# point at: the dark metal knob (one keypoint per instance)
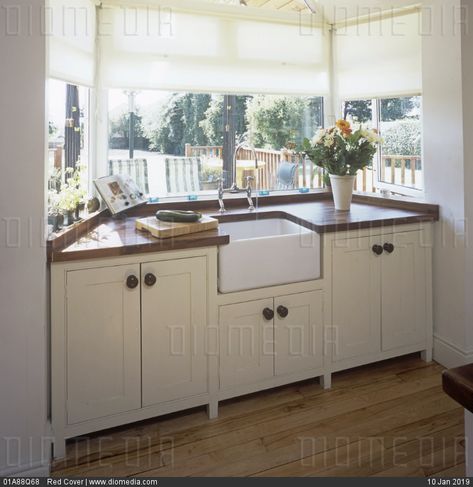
(377, 249)
(388, 247)
(268, 314)
(282, 311)
(132, 282)
(150, 279)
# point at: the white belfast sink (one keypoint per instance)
(267, 252)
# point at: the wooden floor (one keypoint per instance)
(386, 419)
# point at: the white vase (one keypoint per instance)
(342, 190)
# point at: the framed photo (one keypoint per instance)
(119, 192)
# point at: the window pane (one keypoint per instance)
(68, 145)
(359, 112)
(176, 143)
(362, 113)
(400, 127)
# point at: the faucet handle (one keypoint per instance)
(249, 179)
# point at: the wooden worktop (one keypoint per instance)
(104, 236)
(458, 384)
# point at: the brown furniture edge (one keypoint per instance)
(458, 384)
(70, 235)
(169, 244)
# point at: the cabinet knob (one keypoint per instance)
(282, 311)
(132, 282)
(150, 279)
(377, 249)
(388, 247)
(268, 314)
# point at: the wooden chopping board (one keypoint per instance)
(160, 229)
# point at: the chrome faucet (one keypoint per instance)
(234, 189)
(242, 142)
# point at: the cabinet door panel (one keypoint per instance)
(356, 304)
(246, 343)
(298, 336)
(174, 316)
(403, 298)
(102, 343)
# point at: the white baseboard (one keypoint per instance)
(449, 355)
(35, 470)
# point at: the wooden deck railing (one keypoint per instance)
(394, 169)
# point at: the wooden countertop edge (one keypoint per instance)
(55, 246)
(164, 245)
(458, 384)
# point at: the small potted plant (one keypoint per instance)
(55, 216)
(342, 152)
(72, 195)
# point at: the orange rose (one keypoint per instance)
(344, 127)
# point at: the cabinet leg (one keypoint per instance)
(59, 448)
(326, 381)
(212, 409)
(426, 355)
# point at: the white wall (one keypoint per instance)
(448, 155)
(23, 341)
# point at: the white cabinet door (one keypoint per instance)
(102, 342)
(404, 288)
(298, 332)
(356, 305)
(174, 316)
(246, 343)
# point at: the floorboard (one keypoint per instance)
(385, 419)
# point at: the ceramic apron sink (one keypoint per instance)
(267, 252)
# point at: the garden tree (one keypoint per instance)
(276, 120)
(358, 110)
(120, 128)
(194, 107)
(391, 109)
(212, 124)
(176, 122)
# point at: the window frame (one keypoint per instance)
(101, 147)
(398, 189)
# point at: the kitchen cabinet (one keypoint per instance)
(174, 317)
(270, 337)
(102, 341)
(380, 294)
(130, 339)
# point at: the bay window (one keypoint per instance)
(173, 87)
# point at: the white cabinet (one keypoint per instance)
(403, 291)
(129, 339)
(102, 343)
(379, 294)
(270, 337)
(298, 332)
(246, 343)
(356, 309)
(174, 317)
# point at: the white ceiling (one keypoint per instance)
(336, 10)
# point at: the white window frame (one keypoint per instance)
(377, 183)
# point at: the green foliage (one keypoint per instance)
(340, 151)
(402, 138)
(177, 122)
(358, 110)
(212, 124)
(396, 108)
(276, 120)
(391, 109)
